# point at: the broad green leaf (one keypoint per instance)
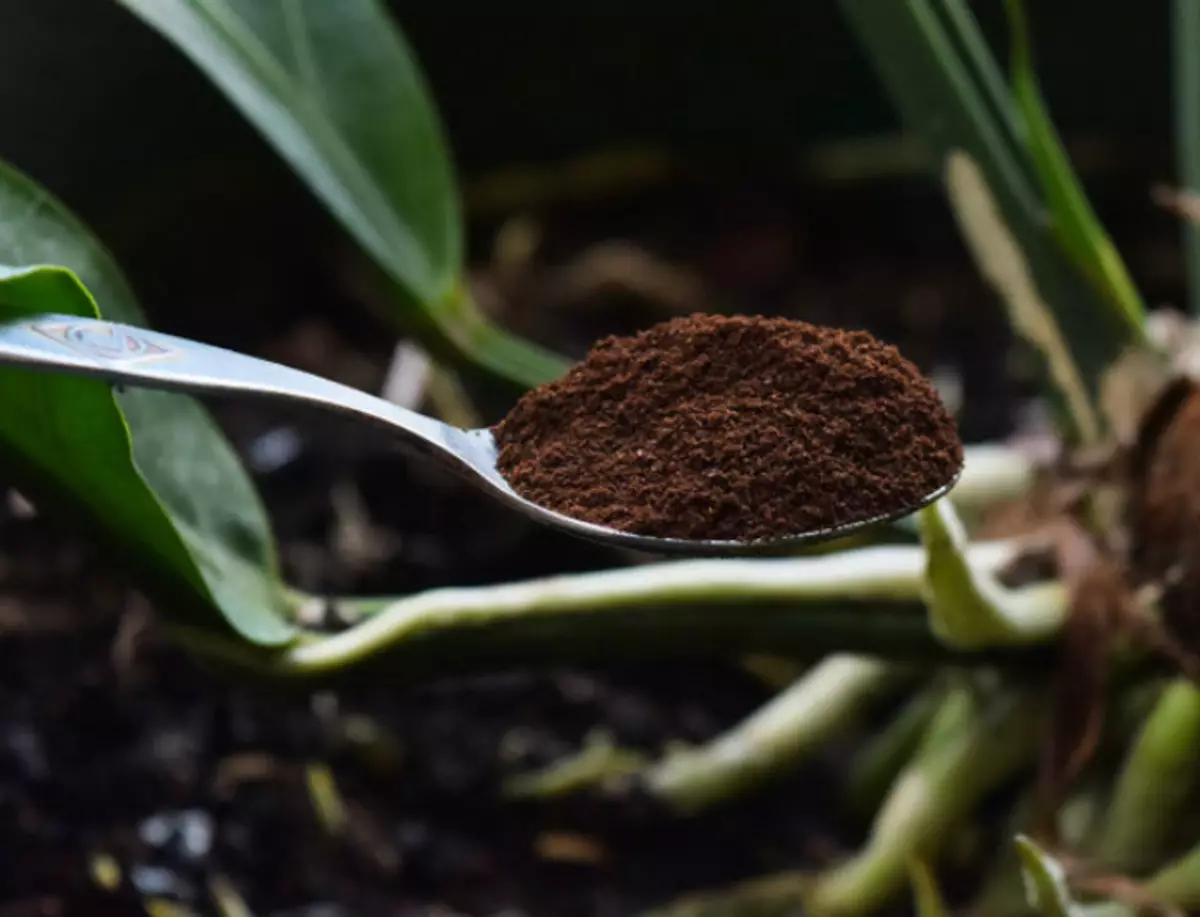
(1071, 215)
(165, 491)
(1045, 881)
(334, 87)
(949, 91)
(968, 607)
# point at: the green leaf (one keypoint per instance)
(1002, 262)
(1045, 881)
(1071, 215)
(165, 492)
(968, 607)
(337, 92)
(948, 89)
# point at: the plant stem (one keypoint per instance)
(1159, 775)
(821, 704)
(862, 601)
(884, 755)
(968, 607)
(975, 744)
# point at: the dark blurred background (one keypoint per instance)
(752, 143)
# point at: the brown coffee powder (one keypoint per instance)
(731, 428)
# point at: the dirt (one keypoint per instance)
(732, 428)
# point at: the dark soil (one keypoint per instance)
(129, 773)
(732, 428)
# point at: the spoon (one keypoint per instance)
(126, 354)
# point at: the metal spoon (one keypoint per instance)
(148, 359)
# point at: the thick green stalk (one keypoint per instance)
(1158, 777)
(823, 703)
(974, 747)
(862, 601)
(968, 607)
(884, 756)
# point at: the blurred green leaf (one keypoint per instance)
(948, 89)
(166, 491)
(337, 92)
(1071, 215)
(1045, 881)
(1000, 259)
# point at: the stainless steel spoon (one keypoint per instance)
(125, 354)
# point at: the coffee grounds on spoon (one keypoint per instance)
(731, 428)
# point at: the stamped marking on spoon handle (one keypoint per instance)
(126, 354)
(106, 343)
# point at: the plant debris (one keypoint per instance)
(733, 428)
(1165, 507)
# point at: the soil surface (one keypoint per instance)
(128, 773)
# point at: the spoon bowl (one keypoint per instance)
(129, 355)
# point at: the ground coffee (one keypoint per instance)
(731, 428)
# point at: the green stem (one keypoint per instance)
(823, 703)
(863, 601)
(968, 607)
(974, 746)
(884, 756)
(1158, 777)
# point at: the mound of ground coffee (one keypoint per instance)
(731, 428)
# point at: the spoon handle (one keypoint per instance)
(126, 354)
